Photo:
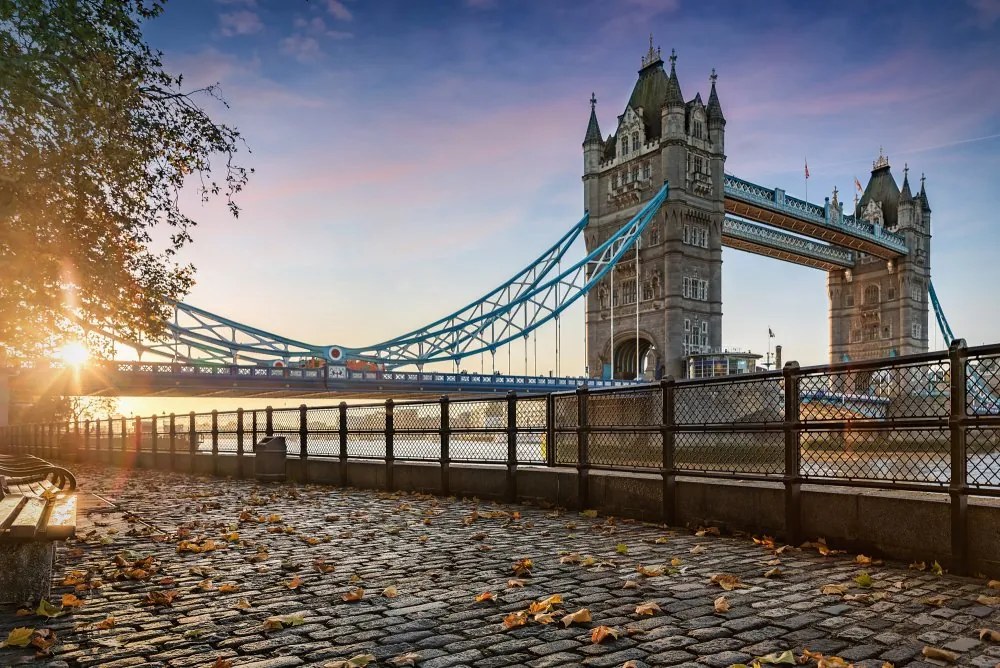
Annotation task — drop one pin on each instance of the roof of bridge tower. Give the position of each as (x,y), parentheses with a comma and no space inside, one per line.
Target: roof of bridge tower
(882,188)
(905,195)
(923,195)
(674,95)
(593,128)
(714,106)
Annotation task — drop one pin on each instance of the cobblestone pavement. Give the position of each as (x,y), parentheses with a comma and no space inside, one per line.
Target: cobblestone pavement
(439,554)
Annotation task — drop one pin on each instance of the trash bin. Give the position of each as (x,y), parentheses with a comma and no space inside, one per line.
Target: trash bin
(269,459)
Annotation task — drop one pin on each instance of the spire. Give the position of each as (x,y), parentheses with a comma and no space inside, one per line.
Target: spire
(652,56)
(883,160)
(923,195)
(714,106)
(593,129)
(905,195)
(674,95)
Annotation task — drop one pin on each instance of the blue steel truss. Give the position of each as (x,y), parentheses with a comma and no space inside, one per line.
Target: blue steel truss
(942,321)
(788,245)
(534,296)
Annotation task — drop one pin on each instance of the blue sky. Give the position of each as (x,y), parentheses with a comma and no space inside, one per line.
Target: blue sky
(411,155)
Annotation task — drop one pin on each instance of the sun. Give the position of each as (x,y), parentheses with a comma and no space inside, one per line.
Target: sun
(75,353)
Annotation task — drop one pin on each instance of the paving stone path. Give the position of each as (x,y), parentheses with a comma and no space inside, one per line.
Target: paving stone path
(440,554)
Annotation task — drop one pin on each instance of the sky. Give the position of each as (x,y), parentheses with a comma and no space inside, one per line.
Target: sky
(410,156)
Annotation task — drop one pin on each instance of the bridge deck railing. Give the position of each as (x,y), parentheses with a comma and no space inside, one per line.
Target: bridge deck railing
(927,422)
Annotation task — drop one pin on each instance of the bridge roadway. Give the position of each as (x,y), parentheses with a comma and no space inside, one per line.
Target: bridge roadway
(168,379)
(773,207)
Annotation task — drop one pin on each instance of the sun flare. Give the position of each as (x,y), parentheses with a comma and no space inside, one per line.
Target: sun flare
(75,353)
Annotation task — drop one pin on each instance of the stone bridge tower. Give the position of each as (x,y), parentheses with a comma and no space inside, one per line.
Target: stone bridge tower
(880,308)
(677,285)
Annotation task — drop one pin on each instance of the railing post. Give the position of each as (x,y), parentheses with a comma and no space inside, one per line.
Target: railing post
(173,441)
(342,437)
(550,429)
(792,479)
(668,433)
(582,448)
(124,436)
(111,440)
(97,439)
(86,438)
(445,444)
(253,427)
(192,440)
(215,442)
(303,440)
(137,436)
(957,424)
(390,457)
(269,422)
(511,447)
(154,437)
(239,442)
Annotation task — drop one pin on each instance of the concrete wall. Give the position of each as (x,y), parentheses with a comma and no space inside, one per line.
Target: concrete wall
(908,526)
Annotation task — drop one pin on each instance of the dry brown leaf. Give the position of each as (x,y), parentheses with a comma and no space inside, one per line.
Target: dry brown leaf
(354,595)
(602,633)
(390,592)
(545,618)
(105,624)
(408,659)
(515,619)
(228,588)
(243,604)
(294,583)
(516,582)
(698,549)
(630,664)
(721,605)
(571,558)
(988,600)
(993,584)
(71,601)
(485,596)
(727,581)
(939,654)
(222,662)
(522,567)
(773,573)
(833,590)
(651,571)
(936,601)
(989,634)
(581,616)
(647,608)
(630,584)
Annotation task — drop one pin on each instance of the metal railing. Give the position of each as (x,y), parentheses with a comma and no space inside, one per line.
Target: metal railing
(928,422)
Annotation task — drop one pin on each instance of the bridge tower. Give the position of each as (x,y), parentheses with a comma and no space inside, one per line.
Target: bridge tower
(880,307)
(676,285)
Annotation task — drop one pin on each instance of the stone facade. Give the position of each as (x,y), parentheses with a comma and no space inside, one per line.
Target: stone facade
(880,308)
(677,287)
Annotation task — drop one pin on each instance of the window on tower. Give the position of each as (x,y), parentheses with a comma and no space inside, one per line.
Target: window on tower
(646,172)
(699,130)
(635,141)
(871,295)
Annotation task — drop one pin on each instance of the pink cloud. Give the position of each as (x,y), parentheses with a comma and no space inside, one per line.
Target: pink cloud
(240,23)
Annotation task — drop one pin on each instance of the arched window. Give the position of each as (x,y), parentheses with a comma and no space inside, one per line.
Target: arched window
(871,294)
(645,172)
(625,145)
(635,141)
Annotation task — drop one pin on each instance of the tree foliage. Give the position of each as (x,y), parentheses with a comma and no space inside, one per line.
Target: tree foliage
(96,141)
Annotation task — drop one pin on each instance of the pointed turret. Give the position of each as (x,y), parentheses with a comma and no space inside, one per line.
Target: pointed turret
(593,135)
(925,205)
(714,106)
(904,194)
(674,97)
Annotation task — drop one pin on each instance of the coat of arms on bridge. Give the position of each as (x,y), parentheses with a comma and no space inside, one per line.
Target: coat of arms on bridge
(873,213)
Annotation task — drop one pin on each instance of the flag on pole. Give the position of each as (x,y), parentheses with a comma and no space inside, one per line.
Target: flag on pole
(770,333)
(857,184)
(807,168)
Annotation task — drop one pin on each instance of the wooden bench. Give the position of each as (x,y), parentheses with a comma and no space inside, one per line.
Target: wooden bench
(37,508)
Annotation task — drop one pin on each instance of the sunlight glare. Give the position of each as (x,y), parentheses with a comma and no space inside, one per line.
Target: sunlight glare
(75,353)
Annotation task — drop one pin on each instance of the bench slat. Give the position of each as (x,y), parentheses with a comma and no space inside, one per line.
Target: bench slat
(61,522)
(9,505)
(28,521)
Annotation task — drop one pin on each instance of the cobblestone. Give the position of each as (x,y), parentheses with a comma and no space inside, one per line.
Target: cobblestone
(439,554)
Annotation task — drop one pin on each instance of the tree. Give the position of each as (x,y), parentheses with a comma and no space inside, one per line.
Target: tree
(96,141)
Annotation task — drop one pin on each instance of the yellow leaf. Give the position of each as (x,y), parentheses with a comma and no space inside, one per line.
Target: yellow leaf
(485,596)
(589,513)
(320,566)
(863,579)
(939,654)
(661,540)
(279,622)
(579,617)
(46,609)
(676,562)
(545,618)
(354,595)
(602,633)
(515,619)
(862,560)
(727,581)
(833,590)
(359,661)
(552,600)
(621,548)
(721,605)
(390,592)
(18,637)
(522,567)
(647,608)
(773,573)
(936,569)
(989,634)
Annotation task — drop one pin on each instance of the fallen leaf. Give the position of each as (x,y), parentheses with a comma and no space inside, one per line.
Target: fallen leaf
(516,582)
(522,567)
(651,571)
(939,654)
(988,600)
(282,621)
(661,540)
(936,569)
(359,661)
(43,640)
(937,601)
(989,634)
(773,573)
(320,566)
(243,604)
(390,592)
(621,548)
(698,549)
(602,633)
(221,662)
(23,612)
(579,617)
(545,618)
(727,581)
(777,658)
(46,609)
(294,583)
(591,514)
(993,584)
(515,619)
(833,590)
(863,579)
(18,637)
(105,624)
(408,659)
(354,595)
(571,558)
(647,608)
(918,566)
(721,605)
(71,601)
(228,588)
(630,584)
(630,664)
(485,596)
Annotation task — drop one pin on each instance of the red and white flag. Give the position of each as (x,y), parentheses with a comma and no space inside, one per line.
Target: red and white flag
(857,184)
(807,169)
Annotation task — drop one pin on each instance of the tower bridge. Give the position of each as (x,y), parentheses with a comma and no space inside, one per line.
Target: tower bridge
(659,208)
